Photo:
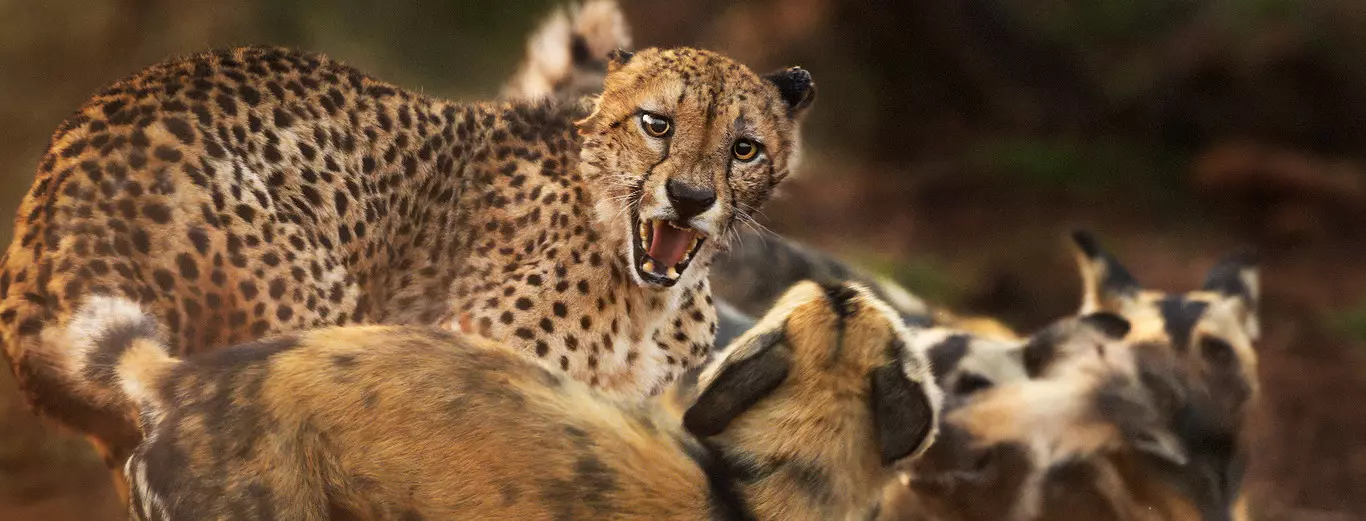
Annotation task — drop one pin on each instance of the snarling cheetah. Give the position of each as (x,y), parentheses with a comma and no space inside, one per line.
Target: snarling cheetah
(240,193)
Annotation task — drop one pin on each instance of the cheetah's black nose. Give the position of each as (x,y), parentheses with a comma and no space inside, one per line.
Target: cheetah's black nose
(689,200)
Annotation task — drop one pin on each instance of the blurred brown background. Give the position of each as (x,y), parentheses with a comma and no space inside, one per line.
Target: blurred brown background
(953,144)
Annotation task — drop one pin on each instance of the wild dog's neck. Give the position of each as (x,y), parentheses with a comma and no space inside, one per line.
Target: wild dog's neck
(775,487)
(786,479)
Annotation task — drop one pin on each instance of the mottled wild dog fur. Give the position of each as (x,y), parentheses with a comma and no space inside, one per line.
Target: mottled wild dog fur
(966,363)
(245,192)
(567,55)
(1152,426)
(383,422)
(1194,352)
(758,266)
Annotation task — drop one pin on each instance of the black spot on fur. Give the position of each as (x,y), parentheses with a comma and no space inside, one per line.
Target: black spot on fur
(901,409)
(1109,324)
(344,361)
(510,493)
(110,344)
(1039,353)
(969,383)
(157,212)
(188,268)
(199,240)
(168,154)
(588,492)
(180,129)
(945,355)
(244,355)
(1179,317)
(841,298)
(726,501)
(578,50)
(739,386)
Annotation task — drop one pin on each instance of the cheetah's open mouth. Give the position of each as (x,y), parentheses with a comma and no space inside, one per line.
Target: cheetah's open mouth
(663,249)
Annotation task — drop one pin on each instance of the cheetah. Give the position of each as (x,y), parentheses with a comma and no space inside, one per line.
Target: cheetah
(240,193)
(390,422)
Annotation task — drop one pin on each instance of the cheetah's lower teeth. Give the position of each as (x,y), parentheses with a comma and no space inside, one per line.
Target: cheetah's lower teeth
(670,242)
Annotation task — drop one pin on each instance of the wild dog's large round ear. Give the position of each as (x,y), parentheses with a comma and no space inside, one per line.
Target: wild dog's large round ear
(1106,285)
(751,372)
(904,411)
(1236,277)
(796,87)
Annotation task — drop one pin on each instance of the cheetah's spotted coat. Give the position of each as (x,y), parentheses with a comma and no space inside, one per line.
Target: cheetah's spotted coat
(240,193)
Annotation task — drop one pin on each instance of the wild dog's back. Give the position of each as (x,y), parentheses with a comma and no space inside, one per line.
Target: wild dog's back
(385,422)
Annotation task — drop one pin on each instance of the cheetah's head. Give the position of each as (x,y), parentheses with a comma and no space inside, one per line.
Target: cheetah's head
(682,145)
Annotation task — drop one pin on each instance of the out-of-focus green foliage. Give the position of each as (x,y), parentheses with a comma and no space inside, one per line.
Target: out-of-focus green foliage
(932,279)
(1081,166)
(1352,321)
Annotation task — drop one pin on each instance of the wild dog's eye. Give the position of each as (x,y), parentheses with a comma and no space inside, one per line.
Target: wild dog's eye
(1217,351)
(655,124)
(969,383)
(745,150)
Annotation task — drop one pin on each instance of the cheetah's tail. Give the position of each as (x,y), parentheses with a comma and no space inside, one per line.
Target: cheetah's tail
(566,56)
(118,350)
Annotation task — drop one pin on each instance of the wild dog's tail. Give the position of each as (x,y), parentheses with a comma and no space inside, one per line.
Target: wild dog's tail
(118,350)
(567,55)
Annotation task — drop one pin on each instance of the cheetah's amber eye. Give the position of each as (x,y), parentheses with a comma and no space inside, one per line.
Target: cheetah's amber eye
(745,150)
(655,124)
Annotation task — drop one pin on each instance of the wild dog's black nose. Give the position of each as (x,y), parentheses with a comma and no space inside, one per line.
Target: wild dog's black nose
(689,200)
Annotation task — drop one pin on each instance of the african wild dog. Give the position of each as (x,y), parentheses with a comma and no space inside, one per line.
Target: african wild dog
(385,422)
(965,363)
(1150,427)
(566,57)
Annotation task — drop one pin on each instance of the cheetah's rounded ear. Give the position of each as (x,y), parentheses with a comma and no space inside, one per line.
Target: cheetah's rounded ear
(618,58)
(796,88)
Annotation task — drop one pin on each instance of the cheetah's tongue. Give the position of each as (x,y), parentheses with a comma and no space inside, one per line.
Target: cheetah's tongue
(669,245)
